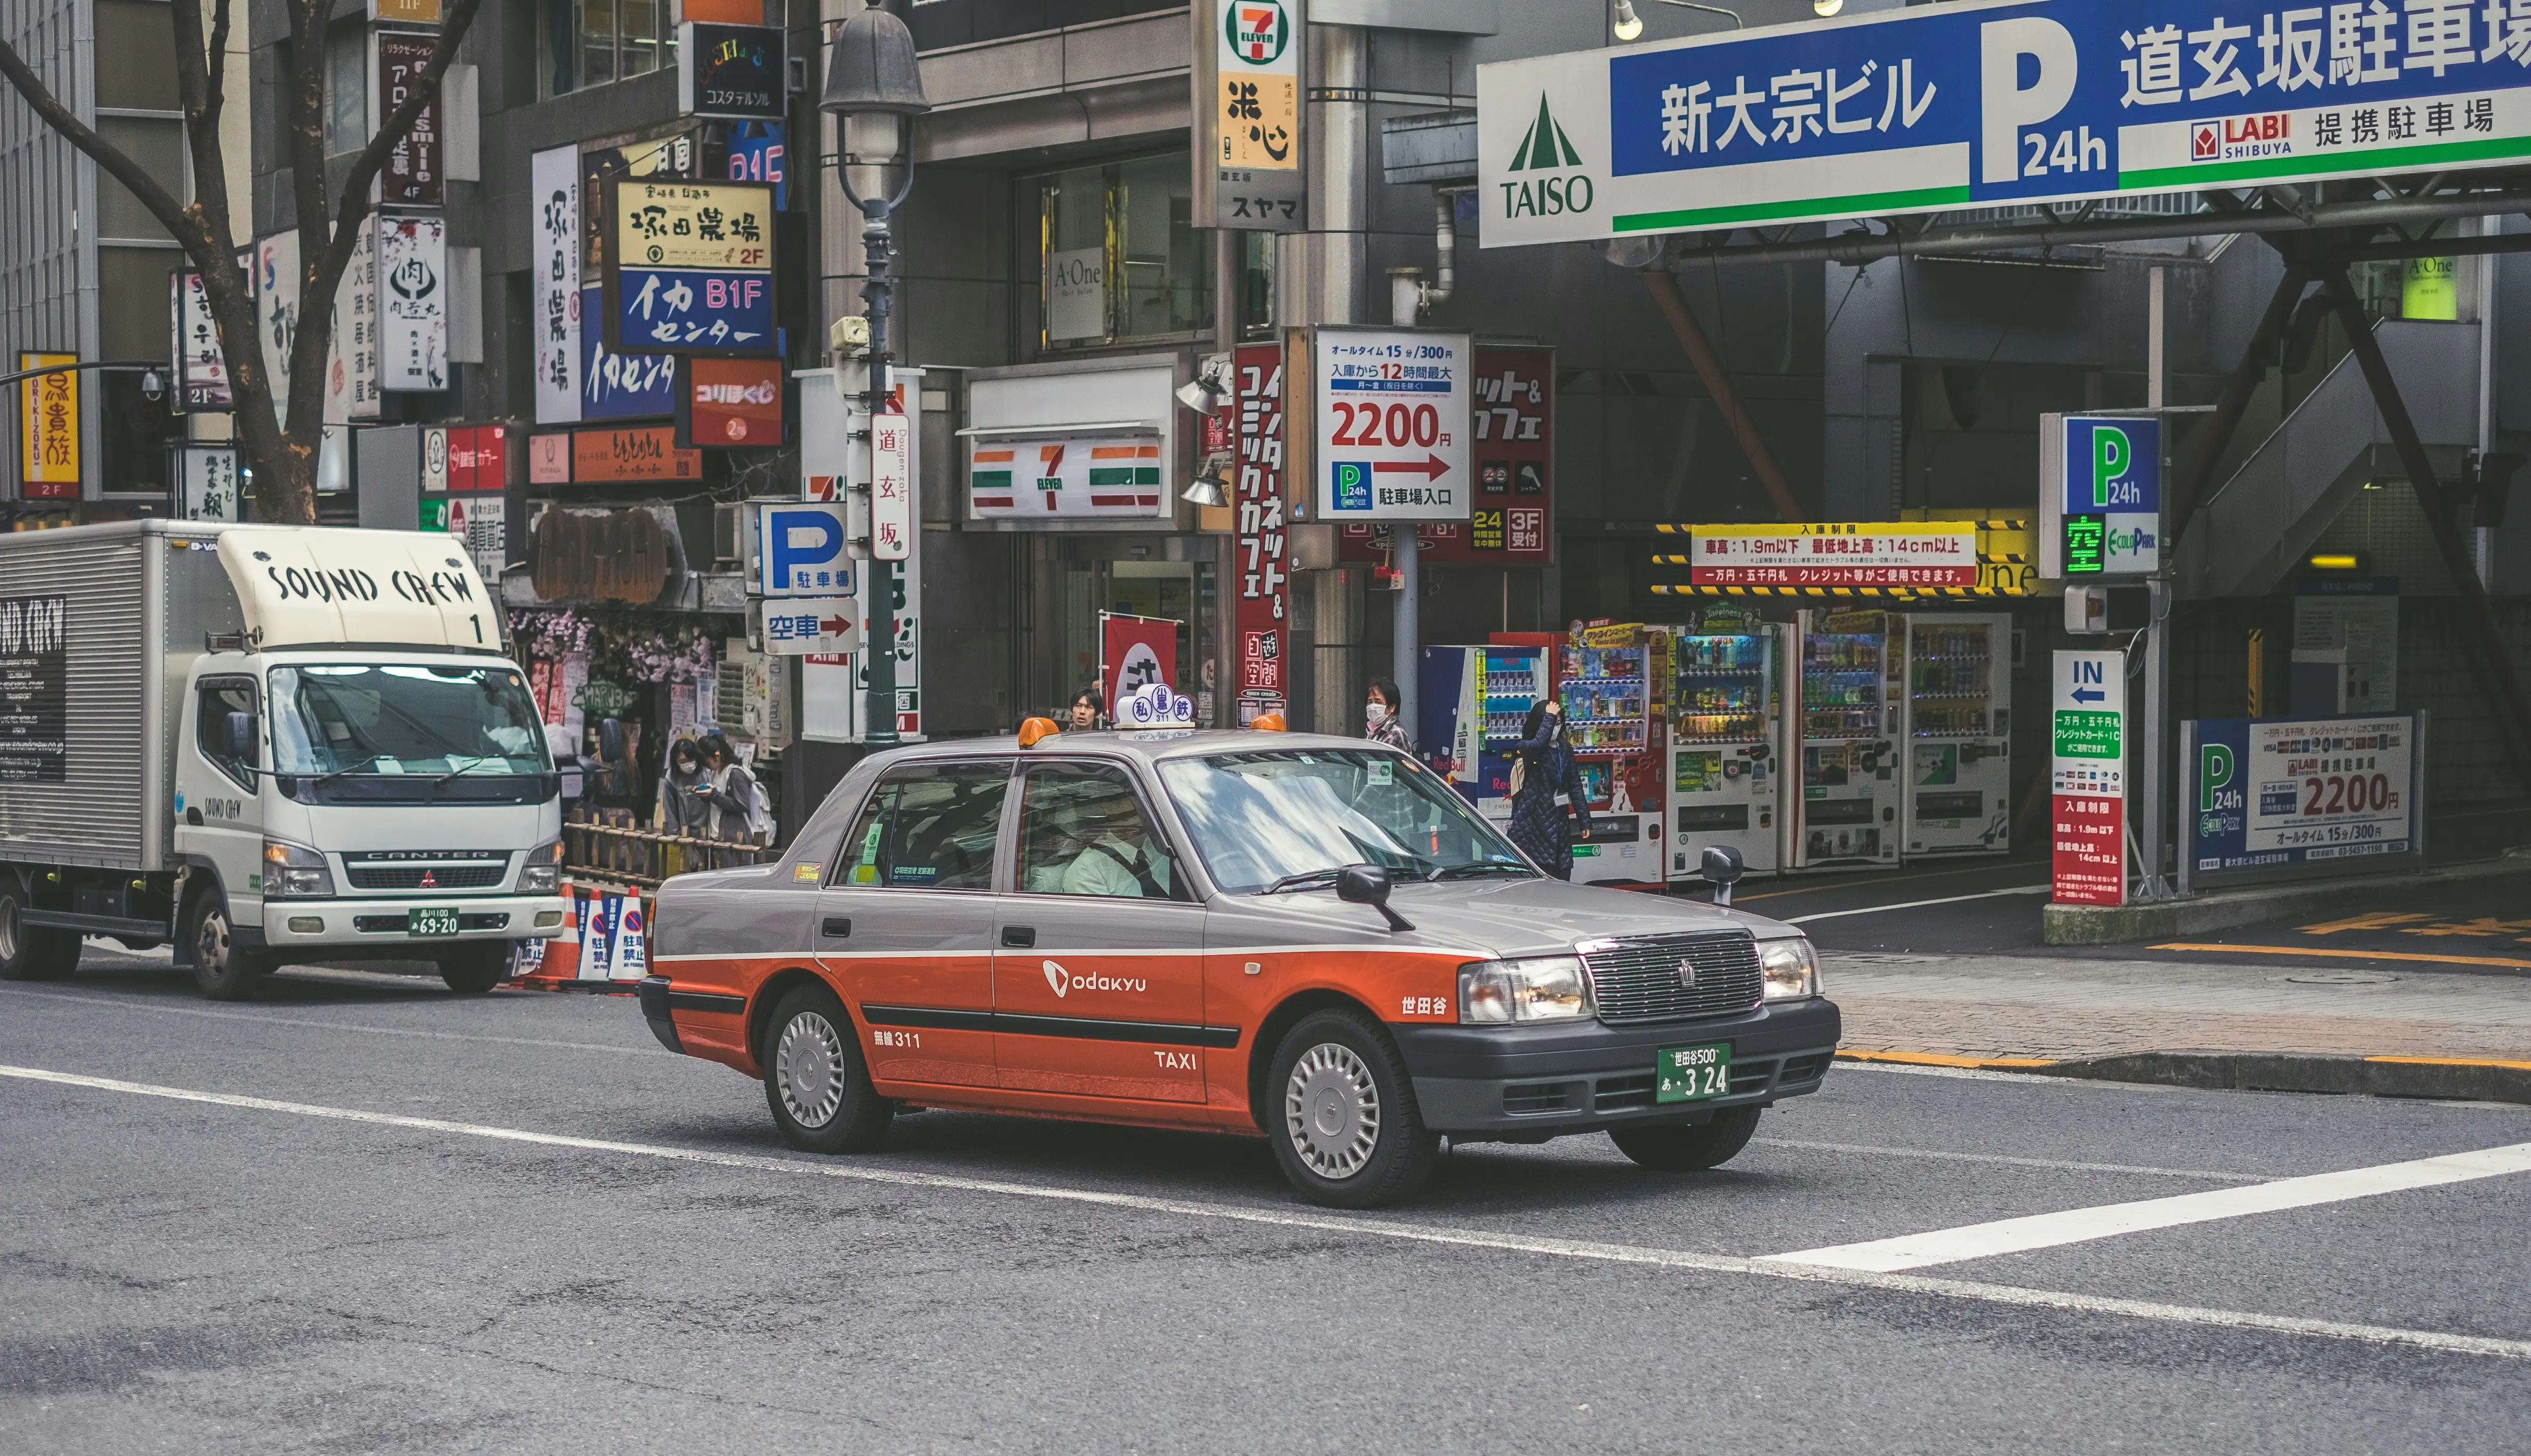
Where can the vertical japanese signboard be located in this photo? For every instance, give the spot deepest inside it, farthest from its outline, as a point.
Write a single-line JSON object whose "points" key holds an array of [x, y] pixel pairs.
{"points": [[352, 346], [891, 504], [2099, 495], [2088, 779], [207, 482], [276, 314], [412, 176], [412, 294], [689, 268], [1392, 425], [553, 192], [1248, 111], [1262, 678], [48, 429], [202, 369]]}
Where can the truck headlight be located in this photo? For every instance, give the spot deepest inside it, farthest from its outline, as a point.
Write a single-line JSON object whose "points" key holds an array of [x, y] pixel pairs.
{"points": [[1789, 969], [293, 872], [542, 873], [1546, 988]]}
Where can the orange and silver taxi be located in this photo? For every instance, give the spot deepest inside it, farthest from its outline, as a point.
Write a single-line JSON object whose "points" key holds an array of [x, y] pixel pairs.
{"points": [[1312, 939]]}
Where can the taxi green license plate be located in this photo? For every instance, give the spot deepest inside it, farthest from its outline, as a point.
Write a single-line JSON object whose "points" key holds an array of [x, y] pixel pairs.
{"points": [[432, 920], [1692, 1074]]}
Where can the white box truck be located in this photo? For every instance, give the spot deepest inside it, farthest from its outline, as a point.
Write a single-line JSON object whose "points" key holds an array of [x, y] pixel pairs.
{"points": [[265, 745]]}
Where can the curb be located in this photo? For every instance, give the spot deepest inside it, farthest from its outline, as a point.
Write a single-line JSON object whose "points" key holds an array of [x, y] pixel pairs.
{"points": [[2226, 909], [2443, 1079]]}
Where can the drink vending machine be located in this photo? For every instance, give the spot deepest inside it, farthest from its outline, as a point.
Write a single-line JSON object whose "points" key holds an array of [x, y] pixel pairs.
{"points": [[1473, 700], [1851, 680], [1727, 763], [1614, 680], [1959, 734]]}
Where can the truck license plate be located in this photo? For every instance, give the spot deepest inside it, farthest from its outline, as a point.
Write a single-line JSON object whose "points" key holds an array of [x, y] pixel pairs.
{"points": [[435, 920], [1692, 1074]]}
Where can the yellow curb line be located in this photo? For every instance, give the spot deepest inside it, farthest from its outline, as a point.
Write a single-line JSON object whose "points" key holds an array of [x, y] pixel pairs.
{"points": [[2452, 1061], [2351, 955], [1943, 1059]]}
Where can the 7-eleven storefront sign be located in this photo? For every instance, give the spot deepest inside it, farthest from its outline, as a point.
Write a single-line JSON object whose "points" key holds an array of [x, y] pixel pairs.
{"points": [[1112, 476]]}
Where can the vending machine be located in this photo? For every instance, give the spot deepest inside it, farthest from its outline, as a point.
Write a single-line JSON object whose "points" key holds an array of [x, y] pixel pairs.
{"points": [[1726, 767], [1959, 734], [1851, 676], [1614, 680], [1474, 702]]}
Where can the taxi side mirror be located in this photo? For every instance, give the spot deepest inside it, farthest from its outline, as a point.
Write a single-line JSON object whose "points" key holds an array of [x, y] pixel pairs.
{"points": [[1722, 867], [1368, 884]]}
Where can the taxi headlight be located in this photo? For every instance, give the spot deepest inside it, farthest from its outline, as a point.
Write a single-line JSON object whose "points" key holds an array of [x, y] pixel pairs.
{"points": [[295, 872], [1789, 969], [1546, 988]]}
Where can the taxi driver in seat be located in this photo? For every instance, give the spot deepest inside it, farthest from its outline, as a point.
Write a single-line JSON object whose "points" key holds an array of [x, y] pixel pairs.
{"points": [[1118, 857]]}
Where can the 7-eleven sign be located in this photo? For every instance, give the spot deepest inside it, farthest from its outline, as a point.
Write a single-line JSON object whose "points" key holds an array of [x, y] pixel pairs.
{"points": [[1112, 476]]}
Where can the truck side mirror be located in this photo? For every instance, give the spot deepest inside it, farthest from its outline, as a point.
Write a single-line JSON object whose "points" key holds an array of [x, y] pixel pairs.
{"points": [[1722, 867], [239, 737], [1368, 884], [610, 740]]}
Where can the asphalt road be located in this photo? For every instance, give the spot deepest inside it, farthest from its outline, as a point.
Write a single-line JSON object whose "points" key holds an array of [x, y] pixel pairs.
{"points": [[362, 1214]]}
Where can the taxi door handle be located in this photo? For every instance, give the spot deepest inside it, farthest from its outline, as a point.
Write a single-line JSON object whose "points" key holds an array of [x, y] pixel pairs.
{"points": [[1021, 937], [835, 926]]}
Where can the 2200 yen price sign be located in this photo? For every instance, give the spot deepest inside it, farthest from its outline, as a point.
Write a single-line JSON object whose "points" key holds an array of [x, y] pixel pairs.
{"points": [[2348, 792], [1393, 425]]}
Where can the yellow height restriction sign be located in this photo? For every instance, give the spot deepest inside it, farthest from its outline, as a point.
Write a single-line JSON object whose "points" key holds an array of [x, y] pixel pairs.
{"points": [[717, 225]]}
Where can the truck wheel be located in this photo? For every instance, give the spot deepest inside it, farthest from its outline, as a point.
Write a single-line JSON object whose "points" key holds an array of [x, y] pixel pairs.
{"points": [[814, 1078], [472, 970], [1345, 1126], [222, 970], [1689, 1148], [32, 952]]}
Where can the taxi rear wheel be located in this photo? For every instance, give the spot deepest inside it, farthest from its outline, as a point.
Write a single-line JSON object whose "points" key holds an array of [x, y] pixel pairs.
{"points": [[814, 1078], [1689, 1148], [1343, 1120]]}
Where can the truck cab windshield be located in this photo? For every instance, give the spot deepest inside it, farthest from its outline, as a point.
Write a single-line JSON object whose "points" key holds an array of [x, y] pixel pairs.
{"points": [[408, 732]]}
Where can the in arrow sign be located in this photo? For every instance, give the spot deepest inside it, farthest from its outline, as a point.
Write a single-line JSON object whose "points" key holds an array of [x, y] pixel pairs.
{"points": [[833, 626], [1430, 470], [2089, 695]]}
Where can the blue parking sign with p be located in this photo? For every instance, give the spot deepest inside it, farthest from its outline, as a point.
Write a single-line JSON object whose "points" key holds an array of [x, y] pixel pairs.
{"points": [[800, 550], [1353, 484]]}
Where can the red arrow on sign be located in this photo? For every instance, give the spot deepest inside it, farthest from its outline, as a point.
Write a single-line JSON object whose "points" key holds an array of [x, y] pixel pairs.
{"points": [[1430, 470], [833, 626]]}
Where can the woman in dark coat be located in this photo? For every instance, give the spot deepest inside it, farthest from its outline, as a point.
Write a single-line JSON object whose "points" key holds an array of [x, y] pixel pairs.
{"points": [[1550, 813]]}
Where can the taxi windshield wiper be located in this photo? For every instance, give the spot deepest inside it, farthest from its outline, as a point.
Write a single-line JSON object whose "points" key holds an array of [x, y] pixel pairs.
{"points": [[1306, 881], [1475, 868]]}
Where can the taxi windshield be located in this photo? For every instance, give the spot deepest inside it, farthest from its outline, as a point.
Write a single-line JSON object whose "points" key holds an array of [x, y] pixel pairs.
{"points": [[1291, 817]]}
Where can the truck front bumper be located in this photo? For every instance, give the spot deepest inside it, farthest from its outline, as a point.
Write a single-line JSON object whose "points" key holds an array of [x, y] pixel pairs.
{"points": [[1528, 1084], [382, 924]]}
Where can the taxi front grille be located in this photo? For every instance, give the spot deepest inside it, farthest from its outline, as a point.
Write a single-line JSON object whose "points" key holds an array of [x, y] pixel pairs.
{"points": [[1645, 978]]}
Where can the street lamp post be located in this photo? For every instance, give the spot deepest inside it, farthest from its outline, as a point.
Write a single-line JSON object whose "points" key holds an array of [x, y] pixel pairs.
{"points": [[873, 85]]}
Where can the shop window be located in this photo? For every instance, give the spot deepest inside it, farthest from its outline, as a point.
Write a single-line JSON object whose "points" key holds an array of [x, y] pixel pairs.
{"points": [[592, 42], [1120, 258]]}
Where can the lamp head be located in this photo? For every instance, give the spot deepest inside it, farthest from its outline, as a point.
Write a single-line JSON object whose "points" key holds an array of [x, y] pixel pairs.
{"points": [[872, 68]]}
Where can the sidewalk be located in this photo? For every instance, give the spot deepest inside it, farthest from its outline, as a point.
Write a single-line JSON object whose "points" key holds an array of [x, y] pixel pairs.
{"points": [[2303, 1027]]}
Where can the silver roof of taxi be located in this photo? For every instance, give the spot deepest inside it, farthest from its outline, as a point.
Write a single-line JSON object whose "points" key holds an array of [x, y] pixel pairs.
{"points": [[1149, 745]]}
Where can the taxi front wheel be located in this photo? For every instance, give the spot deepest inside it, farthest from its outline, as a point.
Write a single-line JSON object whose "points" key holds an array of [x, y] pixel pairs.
{"points": [[814, 1078], [1343, 1120]]}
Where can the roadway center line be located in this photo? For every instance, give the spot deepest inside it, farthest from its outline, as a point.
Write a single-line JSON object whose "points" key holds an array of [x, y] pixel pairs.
{"points": [[333, 1026], [2079, 1226], [2437, 1341], [1829, 915]]}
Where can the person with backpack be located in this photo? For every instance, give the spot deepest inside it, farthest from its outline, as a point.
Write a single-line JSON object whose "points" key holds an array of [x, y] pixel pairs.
{"points": [[1550, 813]]}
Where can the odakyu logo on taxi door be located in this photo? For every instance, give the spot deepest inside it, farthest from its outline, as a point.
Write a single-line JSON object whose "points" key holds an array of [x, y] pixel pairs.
{"points": [[1065, 981]]}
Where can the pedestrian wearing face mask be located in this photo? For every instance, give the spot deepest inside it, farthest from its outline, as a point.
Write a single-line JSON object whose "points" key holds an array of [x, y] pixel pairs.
{"points": [[1380, 716]]}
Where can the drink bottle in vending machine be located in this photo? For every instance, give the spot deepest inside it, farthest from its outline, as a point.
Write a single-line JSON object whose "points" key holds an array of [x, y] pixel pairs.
{"points": [[1849, 682], [1726, 759], [1612, 682], [1959, 734], [1473, 703]]}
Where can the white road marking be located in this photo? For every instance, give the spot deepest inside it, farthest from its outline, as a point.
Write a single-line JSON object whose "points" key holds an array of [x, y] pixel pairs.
{"points": [[2440, 1342], [2057, 1165], [125, 1004], [1829, 915], [2078, 1225]]}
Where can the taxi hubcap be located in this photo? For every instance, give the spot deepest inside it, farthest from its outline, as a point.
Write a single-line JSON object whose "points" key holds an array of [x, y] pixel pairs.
{"points": [[1331, 1110], [808, 1067]]}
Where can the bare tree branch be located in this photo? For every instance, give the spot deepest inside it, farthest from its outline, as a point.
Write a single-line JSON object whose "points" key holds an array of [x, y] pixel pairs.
{"points": [[55, 115]]}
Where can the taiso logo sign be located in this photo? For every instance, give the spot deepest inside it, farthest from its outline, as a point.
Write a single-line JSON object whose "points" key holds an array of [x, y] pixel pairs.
{"points": [[1546, 148]]}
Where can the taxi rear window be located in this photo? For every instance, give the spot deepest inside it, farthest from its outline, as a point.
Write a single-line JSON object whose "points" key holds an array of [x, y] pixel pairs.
{"points": [[928, 826]]}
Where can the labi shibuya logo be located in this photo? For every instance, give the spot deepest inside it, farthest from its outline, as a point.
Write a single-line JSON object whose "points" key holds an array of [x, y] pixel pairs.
{"points": [[1065, 981], [1546, 148]]}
